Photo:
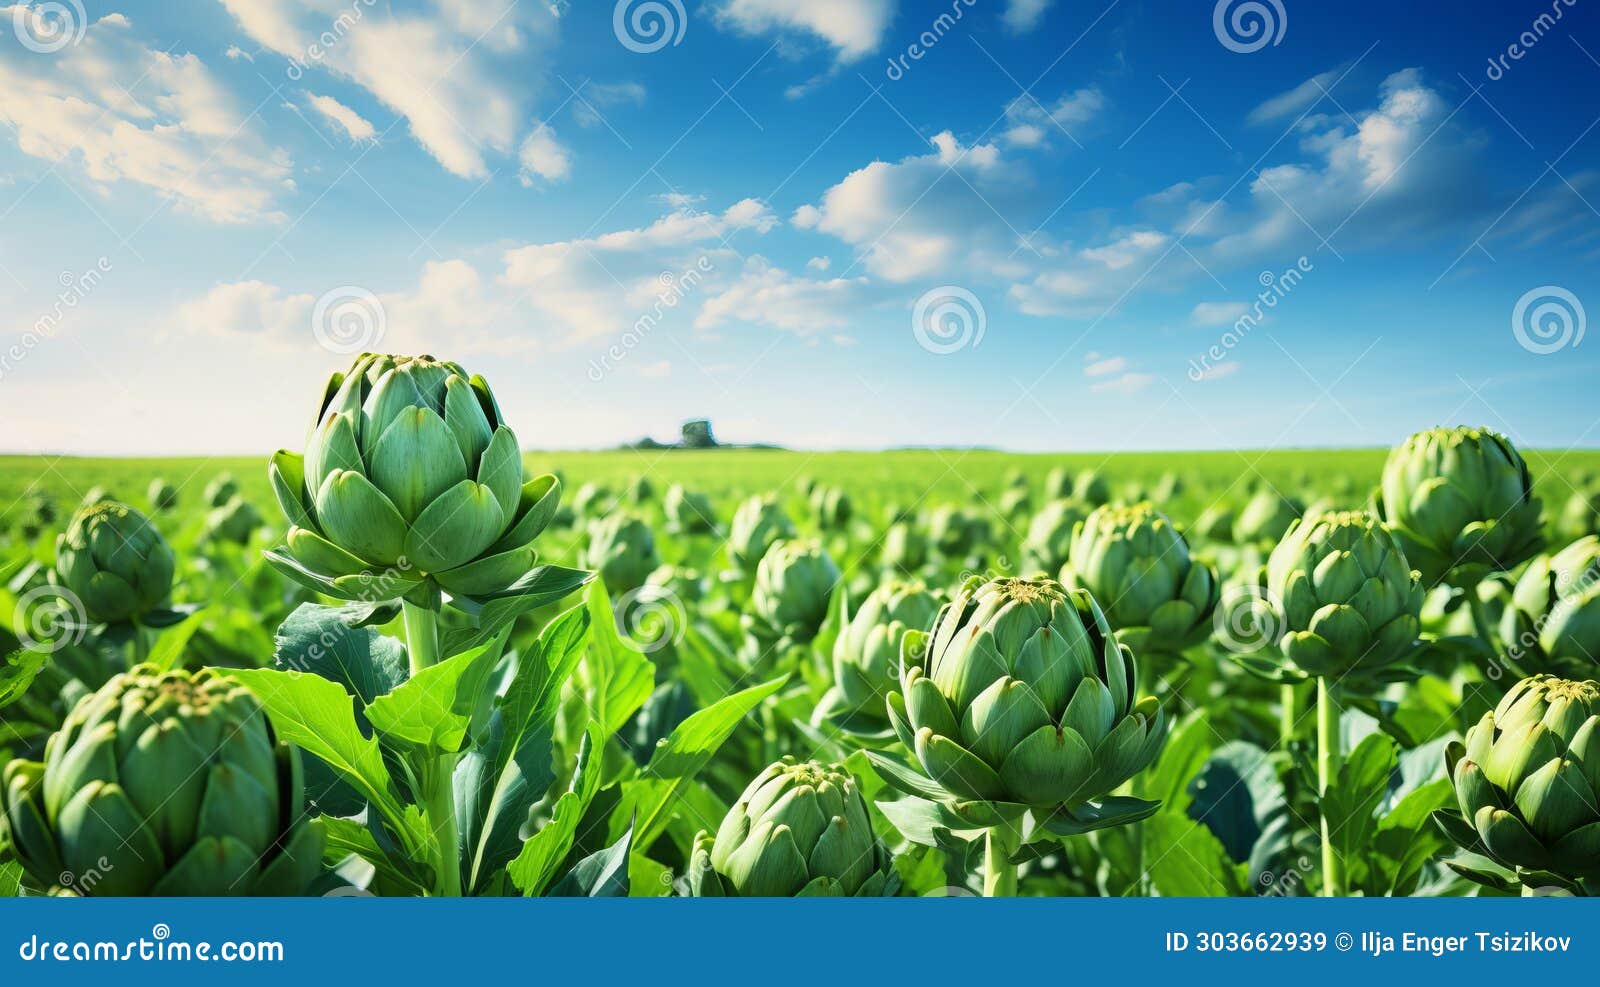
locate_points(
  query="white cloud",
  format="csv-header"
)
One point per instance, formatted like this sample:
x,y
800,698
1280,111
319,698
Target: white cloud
x,y
818,264
853,28
1105,365
125,112
1287,104
597,96
249,307
1031,123
1217,371
543,156
1129,383
237,53
1218,313
766,295
1023,15
656,370
354,125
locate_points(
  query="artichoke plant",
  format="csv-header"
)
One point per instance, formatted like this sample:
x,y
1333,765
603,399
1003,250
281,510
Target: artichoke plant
x,y
866,653
640,491
164,784
1049,536
410,482
1346,599
757,523
800,829
1527,783
1461,501
162,495
1215,523
789,602
1580,516
1015,503
1133,561
222,488
1091,488
1266,517
832,507
1553,622
688,512
905,548
955,533
115,562
622,549
591,501
233,522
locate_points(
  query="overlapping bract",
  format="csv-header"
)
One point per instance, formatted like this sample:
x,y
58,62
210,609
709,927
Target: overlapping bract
x,y
757,523
1527,782
1461,502
164,784
799,829
687,511
623,550
115,562
1023,696
867,651
789,602
1347,598
410,477
1553,620
1048,540
1137,566
1266,517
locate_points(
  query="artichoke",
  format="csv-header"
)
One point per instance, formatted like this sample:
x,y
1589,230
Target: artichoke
x,y
164,784
1461,501
409,475
115,562
640,491
682,582
1215,523
1049,536
1091,488
905,548
222,488
591,500
1266,517
162,495
234,521
688,512
799,829
1132,559
1015,503
1021,698
622,549
1527,782
789,603
1580,516
955,533
1346,599
1553,622
866,654
757,523
832,507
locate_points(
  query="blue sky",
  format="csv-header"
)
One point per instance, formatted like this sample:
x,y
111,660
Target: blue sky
x,y
1037,229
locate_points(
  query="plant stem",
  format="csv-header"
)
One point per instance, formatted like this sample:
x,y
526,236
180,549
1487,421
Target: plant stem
x,y
999,873
439,796
1328,760
1289,712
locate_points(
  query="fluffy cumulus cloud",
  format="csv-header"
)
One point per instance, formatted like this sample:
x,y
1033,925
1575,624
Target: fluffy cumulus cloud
x,y
125,112
1030,123
767,295
354,125
445,67
1024,15
852,28
1218,313
1112,375
543,156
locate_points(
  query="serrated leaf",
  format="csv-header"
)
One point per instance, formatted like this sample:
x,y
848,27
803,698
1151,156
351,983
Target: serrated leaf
x,y
599,875
619,678
429,712
330,642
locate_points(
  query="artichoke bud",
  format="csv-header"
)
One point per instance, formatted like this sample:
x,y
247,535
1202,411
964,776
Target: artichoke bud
x,y
1048,540
688,512
955,533
1553,622
164,784
622,549
1022,695
1346,599
233,522
1266,517
867,651
799,829
832,507
222,488
409,473
757,523
793,585
905,548
162,495
114,561
1137,565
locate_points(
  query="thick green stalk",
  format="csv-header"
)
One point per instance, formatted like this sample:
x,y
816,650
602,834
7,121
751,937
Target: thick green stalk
x,y
438,797
999,873
1328,760
1288,713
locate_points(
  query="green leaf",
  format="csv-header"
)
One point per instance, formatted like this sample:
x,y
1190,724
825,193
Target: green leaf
x,y
10,878
167,653
17,673
1190,862
1187,748
430,711
599,875
534,867
332,642
1349,805
619,678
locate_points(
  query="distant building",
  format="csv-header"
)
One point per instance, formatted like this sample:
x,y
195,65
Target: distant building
x,y
697,434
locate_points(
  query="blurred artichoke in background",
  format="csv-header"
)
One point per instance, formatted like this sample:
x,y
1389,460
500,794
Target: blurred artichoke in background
x,y
831,506
1266,517
1133,561
640,491
1021,697
1015,503
1461,502
163,496
1527,783
866,654
38,516
95,495
222,488
794,583
623,550
757,523
905,548
409,477
164,784
799,830
955,533
1049,536
1553,622
115,562
1058,484
233,522
1580,516
1347,598
688,512
591,501
1091,488
1215,524
1168,488
688,585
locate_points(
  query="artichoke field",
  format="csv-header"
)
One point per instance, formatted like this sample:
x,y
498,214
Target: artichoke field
x,y
399,659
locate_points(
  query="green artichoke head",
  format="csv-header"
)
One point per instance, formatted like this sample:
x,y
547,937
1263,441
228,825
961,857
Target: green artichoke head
x,y
622,549
832,507
955,533
1015,503
164,784
1580,515
410,474
1348,601
1215,524
757,523
1265,517
114,561
688,585
1049,537
793,585
866,654
1133,561
905,547
233,522
1554,621
162,495
1461,501
799,829
1021,696
222,488
688,511
640,490
1527,780
591,500
1091,487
